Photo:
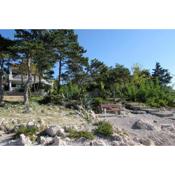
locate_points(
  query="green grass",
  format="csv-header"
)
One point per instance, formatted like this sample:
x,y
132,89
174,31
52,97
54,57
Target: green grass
x,y
78,134
104,129
30,132
36,98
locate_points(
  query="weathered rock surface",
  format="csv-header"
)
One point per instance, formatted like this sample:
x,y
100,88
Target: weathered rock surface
x,y
115,143
57,141
168,127
140,124
45,140
97,143
55,130
2,133
24,141
138,112
7,127
146,142
134,106
81,140
116,137
31,124
162,114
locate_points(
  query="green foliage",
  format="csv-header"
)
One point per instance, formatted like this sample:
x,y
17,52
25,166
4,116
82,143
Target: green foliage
x,y
87,101
147,91
118,74
104,129
80,81
161,74
30,132
95,104
67,93
71,91
52,99
143,88
78,134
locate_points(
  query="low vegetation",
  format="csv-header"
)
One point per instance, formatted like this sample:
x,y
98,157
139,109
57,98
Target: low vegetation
x,y
78,134
30,132
112,83
104,129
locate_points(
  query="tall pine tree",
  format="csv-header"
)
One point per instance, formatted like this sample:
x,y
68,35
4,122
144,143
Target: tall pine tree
x,y
161,74
5,55
29,46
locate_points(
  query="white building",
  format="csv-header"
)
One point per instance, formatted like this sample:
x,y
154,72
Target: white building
x,y
15,80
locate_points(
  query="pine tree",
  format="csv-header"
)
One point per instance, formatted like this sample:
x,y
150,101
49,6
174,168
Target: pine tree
x,y
161,74
29,47
68,54
5,53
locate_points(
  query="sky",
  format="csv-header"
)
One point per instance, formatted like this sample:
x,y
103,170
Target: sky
x,y
127,47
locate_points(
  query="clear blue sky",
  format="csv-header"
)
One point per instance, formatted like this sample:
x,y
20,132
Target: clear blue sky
x,y
127,47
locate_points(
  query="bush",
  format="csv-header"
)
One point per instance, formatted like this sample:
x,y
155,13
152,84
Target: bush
x,y
87,101
147,91
67,93
104,129
95,104
71,92
52,99
30,132
78,134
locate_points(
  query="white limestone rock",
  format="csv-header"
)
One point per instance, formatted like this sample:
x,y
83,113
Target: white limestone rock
x,y
24,141
168,127
55,130
31,124
97,143
140,124
57,141
45,140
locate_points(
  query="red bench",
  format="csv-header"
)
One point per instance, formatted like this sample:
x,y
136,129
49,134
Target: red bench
x,y
111,108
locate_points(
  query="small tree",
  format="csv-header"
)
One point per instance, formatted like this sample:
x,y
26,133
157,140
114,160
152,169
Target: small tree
x,y
161,74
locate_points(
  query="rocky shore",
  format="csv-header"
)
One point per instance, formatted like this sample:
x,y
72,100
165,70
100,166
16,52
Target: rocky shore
x,y
51,126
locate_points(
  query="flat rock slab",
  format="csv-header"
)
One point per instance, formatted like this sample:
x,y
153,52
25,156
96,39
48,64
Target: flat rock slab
x,y
163,114
138,112
4,140
106,115
150,110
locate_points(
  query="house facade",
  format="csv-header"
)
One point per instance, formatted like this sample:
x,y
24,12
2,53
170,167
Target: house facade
x,y
17,78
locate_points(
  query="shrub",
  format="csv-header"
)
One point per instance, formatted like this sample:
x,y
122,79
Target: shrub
x,y
52,99
147,91
104,129
67,93
78,134
95,104
71,91
30,132
87,101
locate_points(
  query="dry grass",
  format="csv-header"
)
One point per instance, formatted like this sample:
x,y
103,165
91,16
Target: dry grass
x,y
9,98
50,114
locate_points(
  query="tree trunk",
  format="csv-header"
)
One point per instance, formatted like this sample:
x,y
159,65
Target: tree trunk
x,y
34,87
27,86
39,83
22,81
59,74
1,87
